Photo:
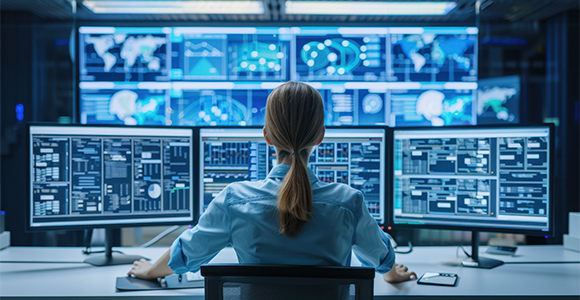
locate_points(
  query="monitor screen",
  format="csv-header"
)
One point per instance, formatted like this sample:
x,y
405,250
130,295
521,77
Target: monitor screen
x,y
494,177
433,106
498,100
424,54
352,156
222,76
99,176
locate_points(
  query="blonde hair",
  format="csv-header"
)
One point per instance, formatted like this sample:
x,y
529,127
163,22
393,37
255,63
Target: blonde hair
x,y
294,124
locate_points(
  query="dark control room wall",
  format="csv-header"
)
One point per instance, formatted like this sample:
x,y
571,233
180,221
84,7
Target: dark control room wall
x,y
36,73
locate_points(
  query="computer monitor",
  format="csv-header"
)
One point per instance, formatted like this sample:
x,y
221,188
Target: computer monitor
x,y
354,156
472,178
109,176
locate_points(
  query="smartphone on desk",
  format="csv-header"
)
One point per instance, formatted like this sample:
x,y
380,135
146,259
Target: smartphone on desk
x,y
502,250
445,279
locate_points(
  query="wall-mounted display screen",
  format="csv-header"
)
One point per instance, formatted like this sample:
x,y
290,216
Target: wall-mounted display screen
x,y
212,76
498,100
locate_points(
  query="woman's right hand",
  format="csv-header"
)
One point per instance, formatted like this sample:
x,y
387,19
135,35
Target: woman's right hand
x,y
399,273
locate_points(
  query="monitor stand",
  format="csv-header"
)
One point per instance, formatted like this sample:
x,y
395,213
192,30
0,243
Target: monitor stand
x,y
476,261
109,258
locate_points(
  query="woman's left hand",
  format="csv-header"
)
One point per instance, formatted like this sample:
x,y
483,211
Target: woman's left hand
x,y
142,269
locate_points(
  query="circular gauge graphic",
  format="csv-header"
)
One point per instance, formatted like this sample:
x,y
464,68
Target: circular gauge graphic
x,y
372,104
154,191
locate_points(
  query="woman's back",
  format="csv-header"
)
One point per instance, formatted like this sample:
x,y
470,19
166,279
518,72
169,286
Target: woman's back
x,y
245,215
324,240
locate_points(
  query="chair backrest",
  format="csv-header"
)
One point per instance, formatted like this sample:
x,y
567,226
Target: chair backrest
x,y
234,281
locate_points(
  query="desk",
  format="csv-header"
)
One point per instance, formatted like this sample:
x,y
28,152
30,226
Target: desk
x,y
64,279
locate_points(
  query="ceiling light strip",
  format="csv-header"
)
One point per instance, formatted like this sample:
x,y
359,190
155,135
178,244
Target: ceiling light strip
x,y
174,7
375,8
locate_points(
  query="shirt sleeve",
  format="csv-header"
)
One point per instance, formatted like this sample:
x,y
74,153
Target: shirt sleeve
x,y
197,246
371,244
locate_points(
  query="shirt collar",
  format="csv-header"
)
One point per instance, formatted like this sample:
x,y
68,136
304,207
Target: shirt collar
x,y
281,170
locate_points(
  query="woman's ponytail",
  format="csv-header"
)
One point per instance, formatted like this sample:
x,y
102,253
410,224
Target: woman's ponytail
x,y
295,197
294,122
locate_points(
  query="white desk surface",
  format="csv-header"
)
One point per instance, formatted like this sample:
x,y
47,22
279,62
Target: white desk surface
x,y
78,280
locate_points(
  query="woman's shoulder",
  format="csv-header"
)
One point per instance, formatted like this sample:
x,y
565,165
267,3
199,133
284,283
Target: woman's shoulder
x,y
338,193
246,190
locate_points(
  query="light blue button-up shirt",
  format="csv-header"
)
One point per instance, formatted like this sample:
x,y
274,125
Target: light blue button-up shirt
x,y
244,215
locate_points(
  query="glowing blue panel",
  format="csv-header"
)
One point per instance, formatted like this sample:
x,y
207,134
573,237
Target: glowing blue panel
x,y
223,75
123,106
332,54
198,56
431,107
354,106
434,55
498,100
213,107
124,54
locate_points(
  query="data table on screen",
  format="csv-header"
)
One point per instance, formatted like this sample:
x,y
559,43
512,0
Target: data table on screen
x,y
82,176
473,177
351,156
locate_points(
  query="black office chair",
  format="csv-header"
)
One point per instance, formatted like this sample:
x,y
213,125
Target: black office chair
x,y
281,282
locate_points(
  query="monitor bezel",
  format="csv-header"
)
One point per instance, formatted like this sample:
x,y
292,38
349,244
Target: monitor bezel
x,y
191,220
385,166
390,197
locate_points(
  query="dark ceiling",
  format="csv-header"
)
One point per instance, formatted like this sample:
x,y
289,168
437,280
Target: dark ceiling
x,y
491,10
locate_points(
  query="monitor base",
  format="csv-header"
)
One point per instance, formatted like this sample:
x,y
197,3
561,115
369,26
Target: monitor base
x,y
115,259
475,261
110,257
482,263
